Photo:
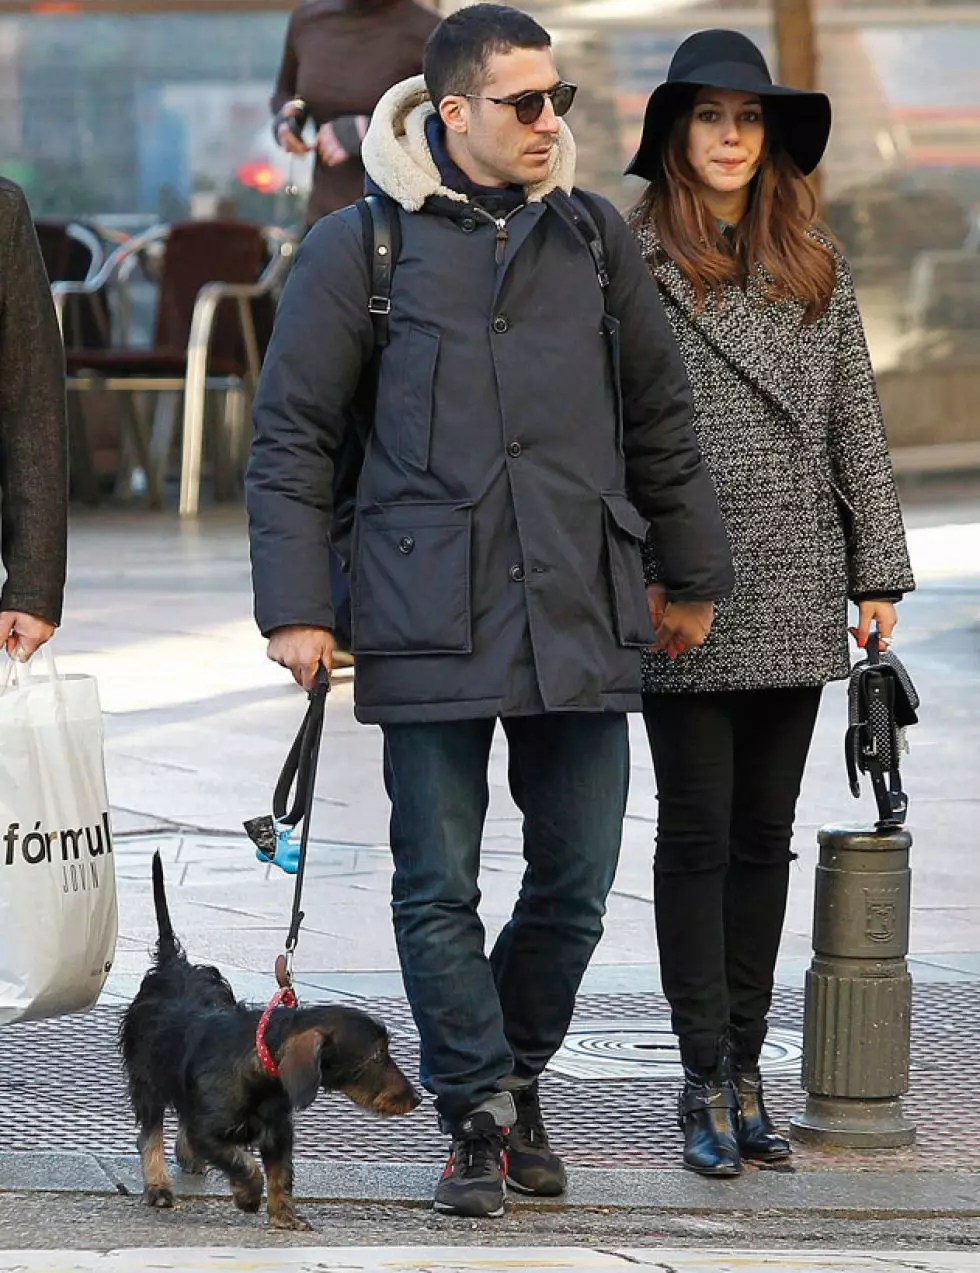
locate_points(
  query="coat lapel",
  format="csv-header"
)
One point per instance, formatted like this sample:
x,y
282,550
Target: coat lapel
x,y
751,340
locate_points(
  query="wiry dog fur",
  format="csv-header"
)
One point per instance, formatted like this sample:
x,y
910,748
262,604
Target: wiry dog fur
x,y
187,1043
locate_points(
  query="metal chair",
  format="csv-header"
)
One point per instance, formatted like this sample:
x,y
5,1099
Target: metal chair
x,y
197,344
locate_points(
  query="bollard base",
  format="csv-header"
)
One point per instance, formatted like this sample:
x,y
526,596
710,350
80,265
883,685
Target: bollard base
x,y
852,1124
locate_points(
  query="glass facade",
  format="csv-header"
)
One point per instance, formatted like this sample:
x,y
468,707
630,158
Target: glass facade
x,y
129,111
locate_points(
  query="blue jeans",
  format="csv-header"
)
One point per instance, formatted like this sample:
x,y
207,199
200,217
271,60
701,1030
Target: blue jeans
x,y
486,1020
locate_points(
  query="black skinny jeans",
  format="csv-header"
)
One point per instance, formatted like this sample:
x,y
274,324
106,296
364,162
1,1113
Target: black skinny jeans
x,y
729,767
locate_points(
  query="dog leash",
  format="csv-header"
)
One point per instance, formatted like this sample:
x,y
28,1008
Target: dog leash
x,y
271,837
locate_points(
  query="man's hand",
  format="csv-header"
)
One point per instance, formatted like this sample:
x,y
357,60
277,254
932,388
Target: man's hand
x,y
302,650
293,145
881,613
23,634
657,601
683,625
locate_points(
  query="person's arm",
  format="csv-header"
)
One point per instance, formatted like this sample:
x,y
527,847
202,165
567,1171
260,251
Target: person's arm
x,y
33,436
289,111
321,341
665,474
878,560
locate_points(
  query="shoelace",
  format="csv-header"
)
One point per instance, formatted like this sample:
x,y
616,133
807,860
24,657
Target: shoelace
x,y
479,1152
530,1124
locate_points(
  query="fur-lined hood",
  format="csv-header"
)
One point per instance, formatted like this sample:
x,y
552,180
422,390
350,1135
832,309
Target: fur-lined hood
x,y
397,158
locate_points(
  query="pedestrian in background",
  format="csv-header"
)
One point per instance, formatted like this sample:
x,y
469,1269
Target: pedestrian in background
x,y
532,419
788,419
33,437
339,57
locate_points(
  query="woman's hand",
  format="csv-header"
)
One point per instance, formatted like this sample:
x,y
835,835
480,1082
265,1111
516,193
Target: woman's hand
x,y
881,613
23,634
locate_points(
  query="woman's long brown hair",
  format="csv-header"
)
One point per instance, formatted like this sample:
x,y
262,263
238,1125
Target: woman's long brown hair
x,y
773,233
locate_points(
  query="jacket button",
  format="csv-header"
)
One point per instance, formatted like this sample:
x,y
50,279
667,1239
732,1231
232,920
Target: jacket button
x,y
406,544
468,224
500,324
514,449
517,573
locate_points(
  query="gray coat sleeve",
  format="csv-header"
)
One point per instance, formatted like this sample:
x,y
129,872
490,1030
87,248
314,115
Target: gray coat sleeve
x,y
33,422
666,476
321,342
878,559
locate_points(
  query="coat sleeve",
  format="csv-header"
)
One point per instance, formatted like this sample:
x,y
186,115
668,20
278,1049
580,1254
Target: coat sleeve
x,y
320,344
878,559
288,70
33,423
666,477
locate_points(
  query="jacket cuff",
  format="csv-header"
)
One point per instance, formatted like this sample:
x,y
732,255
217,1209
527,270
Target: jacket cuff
x,y
893,597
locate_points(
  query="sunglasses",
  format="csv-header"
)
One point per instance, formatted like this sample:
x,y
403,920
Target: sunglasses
x,y
529,106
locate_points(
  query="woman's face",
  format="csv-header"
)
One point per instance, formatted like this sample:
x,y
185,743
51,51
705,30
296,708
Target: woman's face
x,y
725,139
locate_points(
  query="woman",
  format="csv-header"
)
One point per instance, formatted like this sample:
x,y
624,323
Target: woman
x,y
33,438
340,56
789,424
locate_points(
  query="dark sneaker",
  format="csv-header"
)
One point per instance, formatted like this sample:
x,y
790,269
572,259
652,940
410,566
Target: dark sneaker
x,y
532,1165
472,1183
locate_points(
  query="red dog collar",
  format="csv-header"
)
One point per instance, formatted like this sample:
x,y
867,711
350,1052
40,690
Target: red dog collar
x,y
284,998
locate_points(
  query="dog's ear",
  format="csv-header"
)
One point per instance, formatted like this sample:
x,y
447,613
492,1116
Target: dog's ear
x,y
299,1067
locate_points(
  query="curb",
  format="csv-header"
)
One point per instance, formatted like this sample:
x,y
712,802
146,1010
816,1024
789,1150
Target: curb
x,y
877,1194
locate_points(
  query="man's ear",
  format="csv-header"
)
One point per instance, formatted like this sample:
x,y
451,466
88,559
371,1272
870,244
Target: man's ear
x,y
299,1067
454,113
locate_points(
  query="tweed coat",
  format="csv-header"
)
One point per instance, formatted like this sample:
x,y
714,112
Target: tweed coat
x,y
33,422
789,423
514,463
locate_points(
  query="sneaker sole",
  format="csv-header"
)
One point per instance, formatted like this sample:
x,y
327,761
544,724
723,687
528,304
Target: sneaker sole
x,y
536,1193
445,1209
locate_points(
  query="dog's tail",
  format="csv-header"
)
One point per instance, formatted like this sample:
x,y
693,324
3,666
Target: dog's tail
x,y
167,943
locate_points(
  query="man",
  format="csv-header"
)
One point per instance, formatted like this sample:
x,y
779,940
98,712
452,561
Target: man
x,y
496,569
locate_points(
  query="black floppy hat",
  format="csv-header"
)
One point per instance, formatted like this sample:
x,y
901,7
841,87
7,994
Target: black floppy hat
x,y
728,59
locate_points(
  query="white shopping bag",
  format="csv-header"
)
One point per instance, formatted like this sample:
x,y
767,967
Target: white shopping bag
x,y
57,880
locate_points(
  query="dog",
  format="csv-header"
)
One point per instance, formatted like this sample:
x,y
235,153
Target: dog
x,y
188,1044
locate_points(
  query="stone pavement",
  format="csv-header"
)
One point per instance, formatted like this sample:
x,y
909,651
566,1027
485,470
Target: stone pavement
x,y
197,727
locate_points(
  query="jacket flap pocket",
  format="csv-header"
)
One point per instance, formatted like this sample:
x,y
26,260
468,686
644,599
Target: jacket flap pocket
x,y
625,515
410,584
418,388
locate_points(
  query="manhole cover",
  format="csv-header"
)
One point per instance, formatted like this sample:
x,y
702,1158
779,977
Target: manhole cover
x,y
646,1049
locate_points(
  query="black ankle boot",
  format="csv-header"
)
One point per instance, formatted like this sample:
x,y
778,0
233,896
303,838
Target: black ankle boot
x,y
758,1140
707,1112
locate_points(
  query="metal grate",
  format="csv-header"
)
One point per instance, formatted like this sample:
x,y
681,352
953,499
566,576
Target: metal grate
x,y
61,1087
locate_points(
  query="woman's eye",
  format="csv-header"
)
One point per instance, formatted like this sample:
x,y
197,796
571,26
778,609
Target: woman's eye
x,y
707,117
751,117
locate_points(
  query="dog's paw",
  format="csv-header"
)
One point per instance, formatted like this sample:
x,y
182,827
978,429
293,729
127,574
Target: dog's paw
x,y
287,1218
247,1197
161,1196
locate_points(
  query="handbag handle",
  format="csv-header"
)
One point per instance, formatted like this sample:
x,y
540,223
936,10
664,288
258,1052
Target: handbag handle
x,y
16,672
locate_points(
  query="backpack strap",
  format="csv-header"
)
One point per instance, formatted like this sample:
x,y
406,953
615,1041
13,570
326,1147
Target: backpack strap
x,y
381,232
582,212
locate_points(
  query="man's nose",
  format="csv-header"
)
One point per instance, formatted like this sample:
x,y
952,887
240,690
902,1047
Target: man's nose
x,y
547,121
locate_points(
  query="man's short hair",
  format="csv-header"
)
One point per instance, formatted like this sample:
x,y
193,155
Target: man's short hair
x,y
460,47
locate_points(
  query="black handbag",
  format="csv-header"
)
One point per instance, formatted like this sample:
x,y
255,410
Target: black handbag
x,y
882,703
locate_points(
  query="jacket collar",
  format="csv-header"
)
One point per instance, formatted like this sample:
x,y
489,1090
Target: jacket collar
x,y
399,161
736,331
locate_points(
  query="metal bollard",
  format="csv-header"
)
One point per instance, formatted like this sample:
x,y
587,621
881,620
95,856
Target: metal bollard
x,y
858,1012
